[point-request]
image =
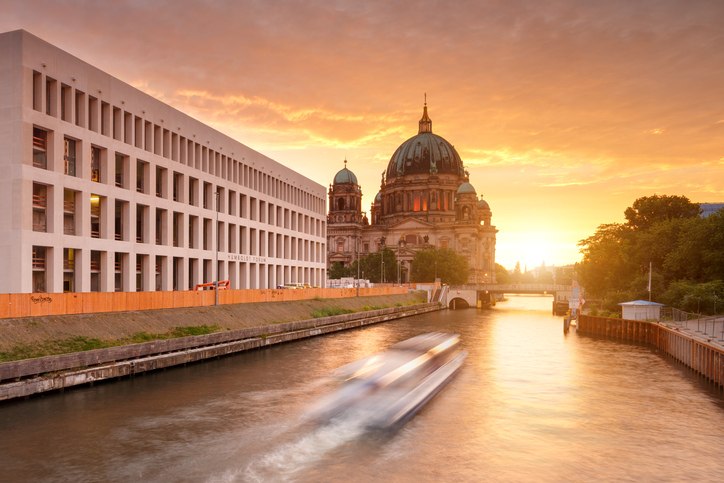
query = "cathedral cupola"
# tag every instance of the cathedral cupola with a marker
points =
(345, 198)
(466, 204)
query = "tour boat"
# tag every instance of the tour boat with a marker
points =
(387, 388)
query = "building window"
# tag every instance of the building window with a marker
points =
(143, 170)
(37, 89)
(39, 274)
(69, 151)
(95, 271)
(40, 148)
(161, 226)
(193, 192)
(69, 269)
(193, 230)
(40, 206)
(95, 164)
(121, 210)
(141, 260)
(95, 216)
(122, 169)
(141, 223)
(177, 186)
(69, 212)
(177, 229)
(161, 174)
(118, 269)
(51, 97)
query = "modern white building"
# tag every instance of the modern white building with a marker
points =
(104, 188)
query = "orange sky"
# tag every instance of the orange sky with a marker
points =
(564, 112)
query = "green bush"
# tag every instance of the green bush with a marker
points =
(330, 311)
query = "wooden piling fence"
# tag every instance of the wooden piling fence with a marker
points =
(41, 304)
(699, 354)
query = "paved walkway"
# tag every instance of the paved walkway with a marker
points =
(710, 328)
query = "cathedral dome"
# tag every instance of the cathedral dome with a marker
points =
(345, 176)
(425, 153)
(483, 205)
(466, 188)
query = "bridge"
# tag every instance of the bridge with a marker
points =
(484, 294)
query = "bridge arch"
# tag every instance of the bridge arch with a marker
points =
(458, 303)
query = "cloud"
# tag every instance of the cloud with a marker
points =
(616, 98)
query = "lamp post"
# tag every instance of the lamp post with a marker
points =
(399, 263)
(382, 266)
(357, 248)
(382, 260)
(216, 256)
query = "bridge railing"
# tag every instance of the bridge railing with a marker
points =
(516, 287)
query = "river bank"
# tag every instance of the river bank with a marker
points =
(20, 335)
(243, 329)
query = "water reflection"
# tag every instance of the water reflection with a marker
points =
(530, 404)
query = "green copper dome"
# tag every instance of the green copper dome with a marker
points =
(425, 153)
(466, 188)
(345, 176)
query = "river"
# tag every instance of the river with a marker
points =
(530, 404)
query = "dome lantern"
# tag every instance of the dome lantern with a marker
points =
(425, 121)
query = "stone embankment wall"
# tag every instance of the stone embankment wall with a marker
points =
(33, 376)
(702, 354)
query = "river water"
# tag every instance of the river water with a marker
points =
(530, 404)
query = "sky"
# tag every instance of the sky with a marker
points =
(564, 112)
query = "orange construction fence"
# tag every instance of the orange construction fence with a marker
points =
(39, 304)
(223, 285)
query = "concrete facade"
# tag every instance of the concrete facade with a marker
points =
(105, 188)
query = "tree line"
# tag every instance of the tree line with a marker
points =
(427, 265)
(663, 235)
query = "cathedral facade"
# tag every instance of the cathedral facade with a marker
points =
(425, 201)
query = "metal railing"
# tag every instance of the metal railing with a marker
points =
(706, 325)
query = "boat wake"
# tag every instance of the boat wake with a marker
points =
(291, 458)
(377, 393)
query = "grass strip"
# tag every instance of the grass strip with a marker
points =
(81, 343)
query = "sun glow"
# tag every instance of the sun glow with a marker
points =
(533, 249)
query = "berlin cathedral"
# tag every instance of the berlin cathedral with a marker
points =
(425, 201)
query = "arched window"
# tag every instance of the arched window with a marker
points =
(340, 203)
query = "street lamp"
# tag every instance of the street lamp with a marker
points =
(382, 266)
(357, 248)
(399, 263)
(216, 256)
(382, 260)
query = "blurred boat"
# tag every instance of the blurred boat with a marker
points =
(388, 388)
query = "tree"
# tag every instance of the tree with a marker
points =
(501, 274)
(371, 266)
(606, 266)
(337, 270)
(664, 233)
(443, 263)
(651, 209)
